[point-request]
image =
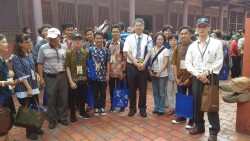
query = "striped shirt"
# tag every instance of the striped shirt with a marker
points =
(53, 60)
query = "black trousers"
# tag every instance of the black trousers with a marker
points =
(99, 87)
(77, 97)
(236, 68)
(213, 117)
(137, 79)
(31, 100)
(113, 83)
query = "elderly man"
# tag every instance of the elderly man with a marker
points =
(203, 56)
(51, 68)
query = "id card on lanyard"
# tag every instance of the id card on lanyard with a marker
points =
(201, 65)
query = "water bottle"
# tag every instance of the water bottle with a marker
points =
(34, 106)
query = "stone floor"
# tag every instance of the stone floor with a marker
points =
(120, 127)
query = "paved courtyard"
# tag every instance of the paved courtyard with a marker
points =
(120, 127)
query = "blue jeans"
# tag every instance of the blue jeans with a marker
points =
(159, 85)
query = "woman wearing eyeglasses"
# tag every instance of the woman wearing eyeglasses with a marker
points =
(23, 65)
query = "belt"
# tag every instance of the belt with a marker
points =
(55, 74)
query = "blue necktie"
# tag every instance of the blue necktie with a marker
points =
(138, 53)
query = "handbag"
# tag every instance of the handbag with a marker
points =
(29, 118)
(210, 96)
(4, 118)
(224, 73)
(184, 106)
(89, 97)
(120, 96)
(91, 67)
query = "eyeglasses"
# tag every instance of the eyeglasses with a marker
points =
(26, 41)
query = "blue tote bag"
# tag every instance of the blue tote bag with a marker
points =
(224, 73)
(91, 67)
(184, 106)
(89, 97)
(120, 96)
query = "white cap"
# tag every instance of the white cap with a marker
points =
(53, 33)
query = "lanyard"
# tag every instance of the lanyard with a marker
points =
(79, 55)
(202, 54)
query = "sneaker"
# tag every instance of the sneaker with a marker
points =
(190, 124)
(122, 110)
(52, 124)
(102, 111)
(38, 131)
(73, 120)
(112, 110)
(63, 122)
(96, 111)
(179, 120)
(85, 115)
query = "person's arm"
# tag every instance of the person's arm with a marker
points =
(178, 81)
(108, 66)
(71, 82)
(189, 59)
(164, 66)
(28, 87)
(217, 65)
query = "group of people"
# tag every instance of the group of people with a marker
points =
(176, 63)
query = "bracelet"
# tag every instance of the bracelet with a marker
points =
(3, 83)
(124, 71)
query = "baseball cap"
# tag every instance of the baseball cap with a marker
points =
(202, 20)
(53, 33)
(77, 35)
(236, 36)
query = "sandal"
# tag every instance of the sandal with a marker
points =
(171, 111)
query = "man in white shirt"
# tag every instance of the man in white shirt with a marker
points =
(137, 47)
(240, 45)
(204, 55)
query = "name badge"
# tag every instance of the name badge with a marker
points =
(79, 69)
(140, 60)
(182, 64)
(97, 66)
(112, 59)
(201, 67)
(33, 75)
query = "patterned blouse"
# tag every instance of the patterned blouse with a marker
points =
(100, 57)
(115, 60)
(76, 59)
(179, 55)
(170, 67)
(24, 66)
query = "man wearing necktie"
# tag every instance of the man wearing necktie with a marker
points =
(137, 47)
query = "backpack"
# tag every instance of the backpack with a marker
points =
(225, 50)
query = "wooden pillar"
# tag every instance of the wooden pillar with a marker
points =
(221, 13)
(38, 17)
(243, 109)
(185, 13)
(114, 11)
(95, 12)
(202, 9)
(131, 12)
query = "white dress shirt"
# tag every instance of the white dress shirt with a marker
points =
(212, 59)
(241, 45)
(130, 45)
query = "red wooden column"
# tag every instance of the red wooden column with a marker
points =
(243, 109)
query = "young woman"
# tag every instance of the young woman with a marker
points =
(23, 64)
(159, 73)
(5, 93)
